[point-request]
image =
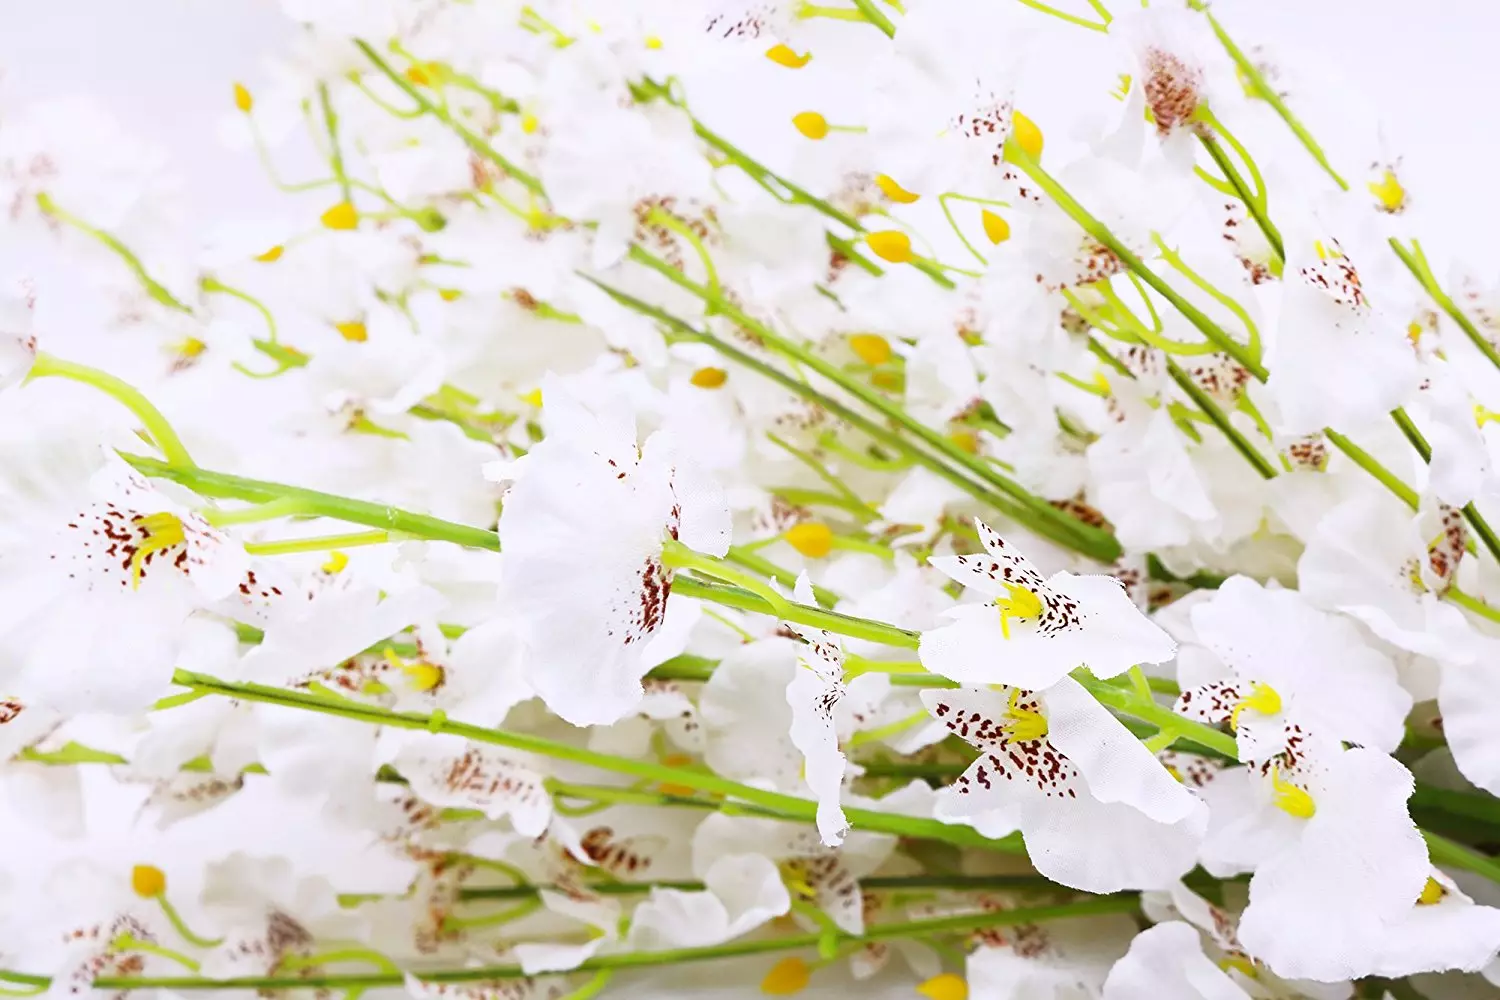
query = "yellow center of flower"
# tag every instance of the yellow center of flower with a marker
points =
(946, 986)
(1291, 799)
(1022, 603)
(813, 539)
(672, 788)
(783, 56)
(872, 348)
(341, 216)
(421, 675)
(272, 255)
(653, 42)
(1483, 414)
(1432, 892)
(242, 98)
(1027, 135)
(162, 532)
(148, 881)
(967, 440)
(190, 347)
(890, 245)
(532, 398)
(529, 123)
(709, 378)
(811, 124)
(788, 976)
(353, 331)
(1263, 698)
(1240, 964)
(336, 563)
(1388, 192)
(1023, 725)
(894, 191)
(996, 228)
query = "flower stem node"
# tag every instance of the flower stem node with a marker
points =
(148, 881)
(1291, 799)
(811, 124)
(162, 531)
(242, 99)
(893, 190)
(788, 976)
(945, 986)
(890, 245)
(1027, 135)
(813, 539)
(341, 216)
(781, 55)
(872, 348)
(995, 227)
(709, 378)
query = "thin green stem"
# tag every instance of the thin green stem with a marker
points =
(335, 154)
(785, 577)
(677, 556)
(1175, 261)
(1424, 449)
(1081, 22)
(155, 289)
(212, 284)
(1471, 603)
(1221, 420)
(1416, 263)
(320, 543)
(157, 426)
(1447, 852)
(1124, 699)
(876, 17)
(1366, 461)
(800, 614)
(1253, 200)
(819, 470)
(182, 928)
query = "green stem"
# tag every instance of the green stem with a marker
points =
(508, 915)
(1366, 461)
(1416, 263)
(1081, 22)
(1175, 261)
(157, 291)
(157, 426)
(1447, 852)
(961, 924)
(818, 469)
(876, 17)
(211, 284)
(182, 928)
(1148, 710)
(222, 485)
(889, 883)
(782, 575)
(1424, 449)
(1255, 201)
(319, 544)
(800, 614)
(1221, 420)
(335, 155)
(677, 556)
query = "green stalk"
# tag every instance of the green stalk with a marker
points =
(800, 614)
(1416, 263)
(1255, 201)
(896, 883)
(1471, 513)
(335, 154)
(157, 426)
(1211, 408)
(155, 289)
(222, 485)
(876, 17)
(961, 924)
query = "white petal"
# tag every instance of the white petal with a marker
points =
(1167, 963)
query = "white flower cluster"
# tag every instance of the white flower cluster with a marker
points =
(746, 493)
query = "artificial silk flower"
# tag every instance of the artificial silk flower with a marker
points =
(1056, 959)
(17, 340)
(1063, 769)
(740, 893)
(452, 773)
(1032, 631)
(1167, 961)
(583, 531)
(267, 913)
(814, 694)
(1291, 663)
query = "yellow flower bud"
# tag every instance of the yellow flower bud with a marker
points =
(894, 191)
(872, 348)
(242, 98)
(783, 56)
(148, 881)
(709, 378)
(946, 986)
(996, 228)
(788, 976)
(341, 216)
(1026, 134)
(890, 245)
(272, 255)
(811, 124)
(354, 331)
(813, 539)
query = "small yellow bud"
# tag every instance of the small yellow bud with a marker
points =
(709, 378)
(946, 986)
(532, 398)
(148, 881)
(783, 56)
(894, 191)
(336, 563)
(811, 124)
(653, 42)
(788, 976)
(242, 98)
(449, 294)
(353, 331)
(813, 539)
(1432, 892)
(529, 123)
(1026, 134)
(341, 216)
(272, 255)
(996, 228)
(872, 348)
(890, 245)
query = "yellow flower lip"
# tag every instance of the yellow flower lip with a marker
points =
(1027, 134)
(945, 986)
(242, 99)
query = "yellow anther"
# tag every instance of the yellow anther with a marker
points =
(1326, 252)
(653, 42)
(894, 191)
(1291, 799)
(783, 56)
(1263, 698)
(529, 123)
(813, 539)
(1027, 135)
(1432, 892)
(709, 378)
(788, 976)
(162, 532)
(1023, 725)
(354, 331)
(1022, 603)
(946, 986)
(810, 124)
(341, 216)
(336, 562)
(272, 255)
(190, 348)
(148, 881)
(890, 245)
(872, 348)
(996, 228)
(1241, 964)
(967, 440)
(1388, 192)
(1414, 331)
(532, 398)
(242, 98)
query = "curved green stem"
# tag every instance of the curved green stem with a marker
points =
(1081, 22)
(1221, 420)
(157, 426)
(321, 543)
(155, 289)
